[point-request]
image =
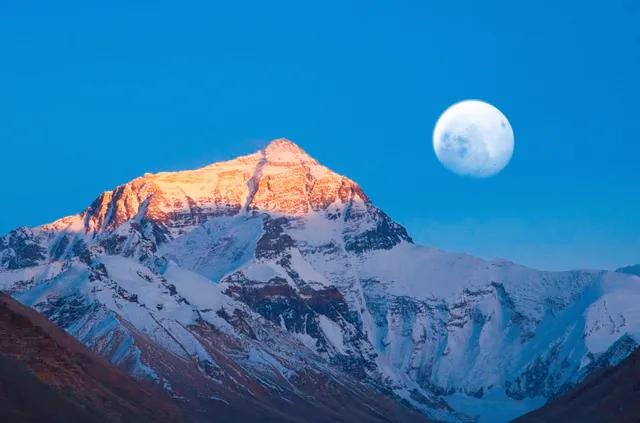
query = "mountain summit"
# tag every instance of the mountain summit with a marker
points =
(285, 150)
(279, 178)
(270, 287)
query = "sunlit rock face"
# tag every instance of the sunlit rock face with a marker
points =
(273, 280)
(280, 178)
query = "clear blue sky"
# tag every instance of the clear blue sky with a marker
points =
(93, 94)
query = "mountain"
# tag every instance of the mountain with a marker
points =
(630, 270)
(47, 375)
(269, 285)
(611, 395)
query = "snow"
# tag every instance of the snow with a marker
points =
(259, 357)
(307, 340)
(421, 272)
(263, 271)
(315, 229)
(198, 290)
(218, 247)
(72, 281)
(614, 314)
(333, 332)
(306, 271)
(44, 272)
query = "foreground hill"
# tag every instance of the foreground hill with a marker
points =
(269, 285)
(610, 395)
(47, 375)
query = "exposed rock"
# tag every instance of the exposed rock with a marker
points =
(20, 249)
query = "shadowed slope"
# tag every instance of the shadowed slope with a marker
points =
(612, 395)
(46, 375)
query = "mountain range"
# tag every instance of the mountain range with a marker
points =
(271, 288)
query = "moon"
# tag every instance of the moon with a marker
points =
(473, 138)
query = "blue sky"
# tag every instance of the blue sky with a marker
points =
(93, 95)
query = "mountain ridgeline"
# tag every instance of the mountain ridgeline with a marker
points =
(269, 287)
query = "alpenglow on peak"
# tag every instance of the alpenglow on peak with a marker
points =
(284, 145)
(280, 178)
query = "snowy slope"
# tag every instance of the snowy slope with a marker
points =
(250, 278)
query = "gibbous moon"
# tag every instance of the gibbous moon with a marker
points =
(473, 138)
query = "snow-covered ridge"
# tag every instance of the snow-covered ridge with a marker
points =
(270, 269)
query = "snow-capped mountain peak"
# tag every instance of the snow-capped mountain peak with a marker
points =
(286, 151)
(269, 271)
(279, 178)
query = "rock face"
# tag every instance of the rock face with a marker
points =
(269, 285)
(279, 179)
(46, 375)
